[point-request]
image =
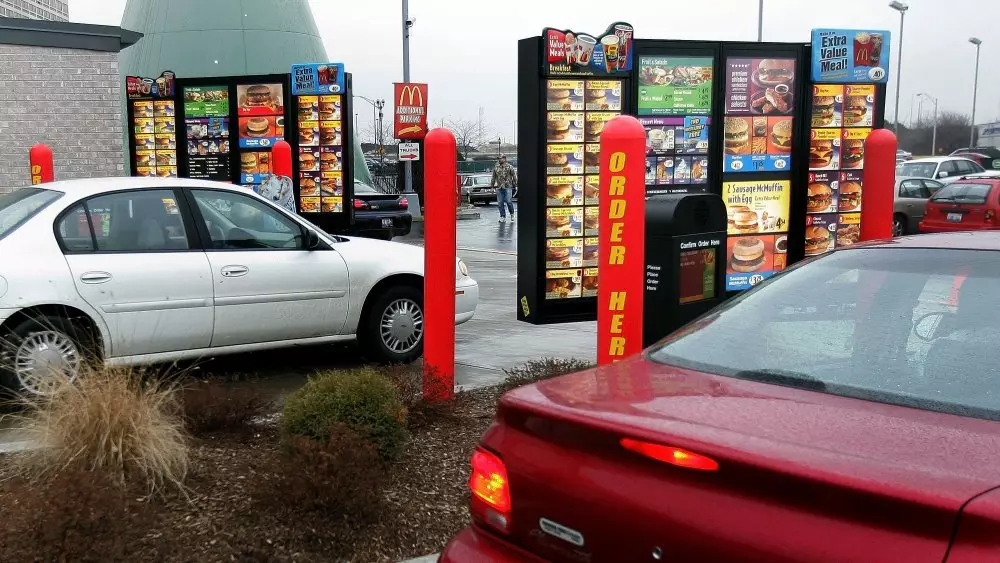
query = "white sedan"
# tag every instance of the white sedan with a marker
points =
(131, 271)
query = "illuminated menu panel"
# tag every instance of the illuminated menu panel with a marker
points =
(154, 126)
(576, 113)
(261, 123)
(321, 154)
(206, 123)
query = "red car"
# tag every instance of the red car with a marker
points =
(846, 410)
(967, 204)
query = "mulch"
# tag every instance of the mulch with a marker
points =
(222, 519)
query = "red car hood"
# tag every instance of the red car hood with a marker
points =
(940, 459)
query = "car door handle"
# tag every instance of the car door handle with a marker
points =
(95, 277)
(234, 271)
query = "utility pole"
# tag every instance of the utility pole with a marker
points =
(760, 21)
(407, 23)
(975, 87)
(381, 131)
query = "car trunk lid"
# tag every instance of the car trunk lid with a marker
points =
(799, 472)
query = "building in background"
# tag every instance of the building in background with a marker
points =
(54, 10)
(64, 91)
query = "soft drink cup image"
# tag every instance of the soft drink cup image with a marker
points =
(609, 43)
(586, 46)
(624, 34)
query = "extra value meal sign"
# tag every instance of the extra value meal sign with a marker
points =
(621, 270)
(410, 120)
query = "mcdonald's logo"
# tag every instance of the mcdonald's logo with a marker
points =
(411, 110)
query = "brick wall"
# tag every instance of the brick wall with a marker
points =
(66, 98)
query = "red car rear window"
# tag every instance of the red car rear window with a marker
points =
(972, 194)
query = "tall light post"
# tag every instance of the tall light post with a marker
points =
(934, 125)
(975, 86)
(407, 24)
(760, 21)
(377, 115)
(901, 8)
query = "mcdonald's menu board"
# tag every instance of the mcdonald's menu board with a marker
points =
(577, 110)
(260, 124)
(842, 117)
(321, 153)
(155, 137)
(206, 124)
(757, 244)
(758, 108)
(675, 85)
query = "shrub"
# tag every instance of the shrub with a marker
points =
(213, 406)
(539, 370)
(73, 515)
(109, 420)
(362, 399)
(342, 477)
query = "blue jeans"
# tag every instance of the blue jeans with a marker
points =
(506, 201)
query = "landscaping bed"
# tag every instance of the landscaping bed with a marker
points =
(254, 490)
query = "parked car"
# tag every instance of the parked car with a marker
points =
(480, 190)
(987, 157)
(379, 215)
(991, 151)
(944, 168)
(858, 421)
(139, 270)
(903, 155)
(910, 200)
(967, 204)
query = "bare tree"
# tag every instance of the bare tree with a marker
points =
(369, 133)
(469, 134)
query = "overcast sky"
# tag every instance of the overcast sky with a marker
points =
(469, 55)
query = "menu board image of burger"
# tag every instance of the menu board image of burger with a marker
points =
(331, 159)
(850, 190)
(749, 261)
(592, 158)
(308, 108)
(564, 253)
(675, 85)
(206, 101)
(562, 222)
(595, 122)
(859, 103)
(821, 192)
(852, 149)
(603, 95)
(332, 205)
(260, 99)
(824, 149)
(309, 185)
(564, 159)
(309, 159)
(820, 231)
(827, 105)
(760, 86)
(566, 127)
(564, 95)
(591, 251)
(330, 108)
(757, 144)
(590, 282)
(564, 190)
(330, 133)
(309, 135)
(142, 109)
(757, 207)
(563, 284)
(331, 184)
(848, 229)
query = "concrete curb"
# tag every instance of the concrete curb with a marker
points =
(425, 559)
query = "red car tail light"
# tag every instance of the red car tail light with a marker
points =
(403, 204)
(490, 491)
(358, 204)
(669, 454)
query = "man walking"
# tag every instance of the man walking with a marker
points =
(504, 179)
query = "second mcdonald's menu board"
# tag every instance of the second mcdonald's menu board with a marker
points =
(758, 128)
(842, 117)
(675, 100)
(206, 123)
(576, 111)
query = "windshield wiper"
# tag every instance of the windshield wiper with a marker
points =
(782, 377)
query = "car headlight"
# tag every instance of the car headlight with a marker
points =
(463, 268)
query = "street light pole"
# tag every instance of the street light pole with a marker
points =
(901, 8)
(975, 86)
(407, 24)
(760, 21)
(934, 125)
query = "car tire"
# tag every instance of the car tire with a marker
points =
(400, 309)
(58, 342)
(898, 225)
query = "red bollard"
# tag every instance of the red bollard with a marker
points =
(281, 159)
(622, 226)
(879, 181)
(439, 265)
(40, 159)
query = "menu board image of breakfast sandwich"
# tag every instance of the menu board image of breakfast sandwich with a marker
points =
(564, 159)
(675, 85)
(155, 138)
(603, 95)
(564, 95)
(564, 191)
(563, 222)
(563, 284)
(564, 253)
(565, 127)
(757, 214)
(751, 260)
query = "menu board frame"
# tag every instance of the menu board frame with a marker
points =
(329, 222)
